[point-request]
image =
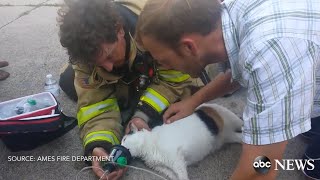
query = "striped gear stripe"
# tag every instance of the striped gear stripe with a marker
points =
(88, 112)
(173, 76)
(101, 136)
(155, 100)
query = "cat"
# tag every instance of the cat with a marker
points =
(170, 148)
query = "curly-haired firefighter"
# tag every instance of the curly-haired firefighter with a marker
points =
(114, 81)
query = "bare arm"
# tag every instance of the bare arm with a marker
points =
(245, 170)
(218, 87)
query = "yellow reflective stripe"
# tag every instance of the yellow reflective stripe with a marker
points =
(173, 76)
(89, 112)
(151, 103)
(155, 100)
(101, 136)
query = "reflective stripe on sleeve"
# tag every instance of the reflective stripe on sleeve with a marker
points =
(88, 112)
(101, 136)
(173, 76)
(155, 100)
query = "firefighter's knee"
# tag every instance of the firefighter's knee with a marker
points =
(66, 82)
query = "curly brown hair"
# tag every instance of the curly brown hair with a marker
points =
(85, 25)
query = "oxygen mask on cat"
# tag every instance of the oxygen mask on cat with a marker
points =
(120, 156)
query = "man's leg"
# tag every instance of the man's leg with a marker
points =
(66, 82)
(313, 149)
(314, 131)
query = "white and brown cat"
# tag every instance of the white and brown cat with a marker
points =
(170, 148)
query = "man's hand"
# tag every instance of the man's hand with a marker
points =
(139, 123)
(98, 151)
(179, 110)
(218, 87)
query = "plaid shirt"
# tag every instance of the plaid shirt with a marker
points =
(274, 48)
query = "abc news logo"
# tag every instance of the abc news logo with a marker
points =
(262, 164)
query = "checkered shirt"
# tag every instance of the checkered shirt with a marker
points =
(274, 48)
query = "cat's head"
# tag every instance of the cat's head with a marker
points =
(134, 141)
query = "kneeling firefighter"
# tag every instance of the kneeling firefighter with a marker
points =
(114, 82)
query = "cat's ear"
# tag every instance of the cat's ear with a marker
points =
(133, 128)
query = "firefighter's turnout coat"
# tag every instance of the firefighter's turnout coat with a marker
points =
(103, 95)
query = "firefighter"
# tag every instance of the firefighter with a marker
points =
(114, 82)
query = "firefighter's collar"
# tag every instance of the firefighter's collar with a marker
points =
(110, 77)
(133, 51)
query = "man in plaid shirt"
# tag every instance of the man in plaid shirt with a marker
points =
(273, 47)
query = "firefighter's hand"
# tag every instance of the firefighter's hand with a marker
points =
(179, 110)
(97, 169)
(138, 123)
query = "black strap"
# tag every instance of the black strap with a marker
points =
(204, 77)
(69, 123)
(129, 20)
